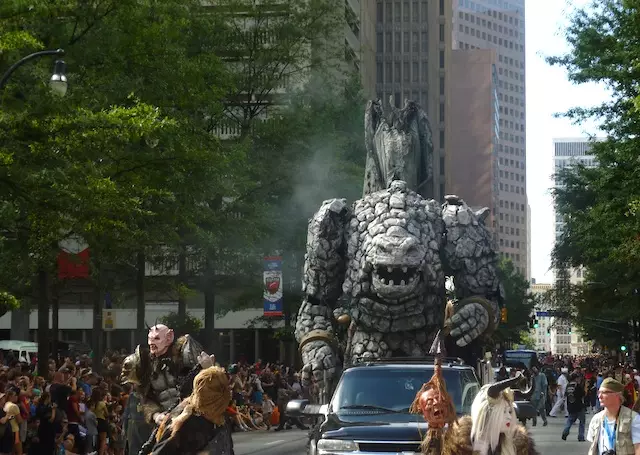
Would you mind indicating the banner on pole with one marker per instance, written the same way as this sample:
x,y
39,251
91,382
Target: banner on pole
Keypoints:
x,y
272,282
108,319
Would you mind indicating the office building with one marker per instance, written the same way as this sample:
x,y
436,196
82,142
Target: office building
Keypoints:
x,y
500,25
568,152
475,132
413,57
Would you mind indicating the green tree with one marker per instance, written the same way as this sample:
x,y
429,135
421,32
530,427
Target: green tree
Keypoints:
x,y
519,303
599,205
182,326
121,171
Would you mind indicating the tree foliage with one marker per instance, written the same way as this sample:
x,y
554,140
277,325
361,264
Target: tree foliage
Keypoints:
x,y
599,204
519,303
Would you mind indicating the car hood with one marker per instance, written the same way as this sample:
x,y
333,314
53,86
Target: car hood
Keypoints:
x,y
374,428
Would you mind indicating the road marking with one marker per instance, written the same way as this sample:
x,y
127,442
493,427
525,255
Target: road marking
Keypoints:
x,y
274,442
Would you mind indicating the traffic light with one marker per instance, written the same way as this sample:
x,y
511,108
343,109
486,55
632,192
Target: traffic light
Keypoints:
x,y
503,315
623,348
535,324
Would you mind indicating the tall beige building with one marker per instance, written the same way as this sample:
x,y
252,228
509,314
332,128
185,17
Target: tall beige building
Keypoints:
x,y
413,57
500,25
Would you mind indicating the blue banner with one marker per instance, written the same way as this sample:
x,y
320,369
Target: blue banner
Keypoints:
x,y
272,282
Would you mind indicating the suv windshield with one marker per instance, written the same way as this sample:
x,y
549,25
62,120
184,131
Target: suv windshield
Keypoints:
x,y
393,389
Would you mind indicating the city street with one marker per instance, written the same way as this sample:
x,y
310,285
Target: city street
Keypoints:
x,y
293,442
549,439
287,442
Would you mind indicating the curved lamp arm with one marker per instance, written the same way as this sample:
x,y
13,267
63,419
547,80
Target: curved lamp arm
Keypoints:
x,y
24,60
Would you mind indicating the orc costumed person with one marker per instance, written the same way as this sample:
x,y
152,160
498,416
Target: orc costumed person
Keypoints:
x,y
197,425
164,374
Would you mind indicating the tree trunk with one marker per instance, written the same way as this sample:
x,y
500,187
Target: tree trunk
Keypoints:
x,y
209,308
55,318
43,324
182,283
141,300
97,336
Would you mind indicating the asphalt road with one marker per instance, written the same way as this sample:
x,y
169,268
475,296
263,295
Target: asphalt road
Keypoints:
x,y
293,442
549,439
286,442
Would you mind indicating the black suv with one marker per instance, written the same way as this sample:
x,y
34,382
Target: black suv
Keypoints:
x,y
369,411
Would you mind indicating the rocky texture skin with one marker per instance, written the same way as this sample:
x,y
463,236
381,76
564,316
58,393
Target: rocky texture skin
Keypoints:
x,y
383,261
399,146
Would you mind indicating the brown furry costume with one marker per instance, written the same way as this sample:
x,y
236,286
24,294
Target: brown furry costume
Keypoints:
x,y
457,440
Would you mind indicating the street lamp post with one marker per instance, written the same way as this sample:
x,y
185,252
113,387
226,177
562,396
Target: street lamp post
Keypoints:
x,y
58,82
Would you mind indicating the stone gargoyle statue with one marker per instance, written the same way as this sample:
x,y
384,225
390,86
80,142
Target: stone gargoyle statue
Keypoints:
x,y
380,264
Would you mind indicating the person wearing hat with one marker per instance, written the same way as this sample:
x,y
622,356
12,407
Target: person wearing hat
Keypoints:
x,y
615,429
561,399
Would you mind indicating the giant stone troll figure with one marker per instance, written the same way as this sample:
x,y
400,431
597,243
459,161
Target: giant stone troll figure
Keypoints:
x,y
380,264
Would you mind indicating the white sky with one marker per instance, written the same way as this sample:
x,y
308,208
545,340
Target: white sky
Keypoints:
x,y
548,92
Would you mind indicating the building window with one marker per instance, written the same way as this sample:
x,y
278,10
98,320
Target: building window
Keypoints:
x,y
442,112
442,139
405,41
379,43
441,33
379,71
441,163
379,9
425,42
442,7
441,59
441,85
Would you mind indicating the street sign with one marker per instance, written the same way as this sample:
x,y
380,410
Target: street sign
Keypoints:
x,y
542,314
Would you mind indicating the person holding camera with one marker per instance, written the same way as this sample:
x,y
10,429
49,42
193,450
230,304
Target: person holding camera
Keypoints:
x,y
616,429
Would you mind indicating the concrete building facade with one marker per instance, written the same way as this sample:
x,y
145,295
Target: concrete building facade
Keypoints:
x,y
568,152
475,132
500,25
413,59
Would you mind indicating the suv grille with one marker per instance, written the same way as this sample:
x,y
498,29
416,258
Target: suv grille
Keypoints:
x,y
389,446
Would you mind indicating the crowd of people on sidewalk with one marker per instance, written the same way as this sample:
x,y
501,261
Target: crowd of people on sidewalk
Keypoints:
x,y
573,387
72,410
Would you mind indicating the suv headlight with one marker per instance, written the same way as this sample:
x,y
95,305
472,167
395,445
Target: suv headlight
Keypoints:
x,y
337,445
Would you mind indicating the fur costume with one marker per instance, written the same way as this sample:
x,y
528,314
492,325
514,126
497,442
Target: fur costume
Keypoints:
x,y
164,380
198,424
457,441
492,428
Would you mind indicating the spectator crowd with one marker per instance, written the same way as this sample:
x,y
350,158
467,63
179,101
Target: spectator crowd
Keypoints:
x,y
72,410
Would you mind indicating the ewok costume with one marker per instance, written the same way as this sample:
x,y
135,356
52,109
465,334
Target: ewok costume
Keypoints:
x,y
198,425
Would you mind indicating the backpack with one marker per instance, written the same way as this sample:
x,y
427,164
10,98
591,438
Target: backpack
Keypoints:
x,y
571,392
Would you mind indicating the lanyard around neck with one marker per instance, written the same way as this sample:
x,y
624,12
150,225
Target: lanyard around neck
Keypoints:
x,y
611,435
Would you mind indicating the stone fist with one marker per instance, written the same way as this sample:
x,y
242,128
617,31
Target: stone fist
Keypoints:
x,y
206,361
321,363
470,320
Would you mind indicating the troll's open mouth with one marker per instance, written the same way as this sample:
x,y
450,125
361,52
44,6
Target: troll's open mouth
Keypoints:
x,y
396,276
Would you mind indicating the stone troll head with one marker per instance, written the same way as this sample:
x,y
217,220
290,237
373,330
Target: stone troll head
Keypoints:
x,y
389,238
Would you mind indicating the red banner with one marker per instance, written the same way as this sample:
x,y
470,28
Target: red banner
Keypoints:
x,y
73,265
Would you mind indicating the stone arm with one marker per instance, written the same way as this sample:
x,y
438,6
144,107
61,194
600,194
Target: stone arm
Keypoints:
x,y
470,257
323,276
